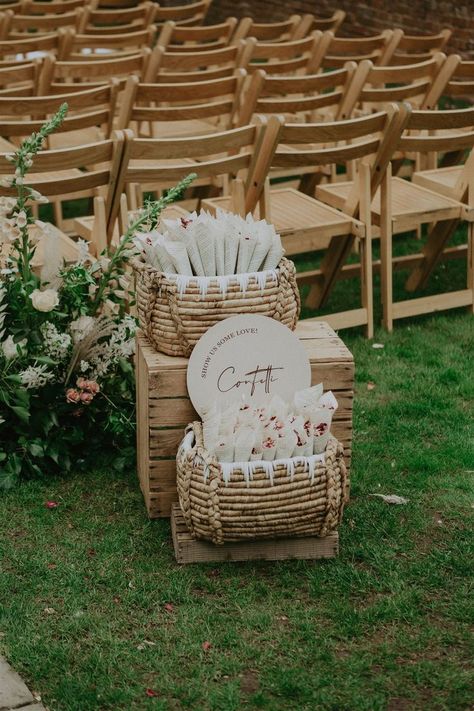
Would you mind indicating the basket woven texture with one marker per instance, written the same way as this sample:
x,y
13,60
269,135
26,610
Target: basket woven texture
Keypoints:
x,y
290,506
174,321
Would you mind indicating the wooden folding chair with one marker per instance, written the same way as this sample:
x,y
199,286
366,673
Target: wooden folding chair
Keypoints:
x,y
104,22
38,7
162,162
31,47
90,115
57,76
401,206
90,119
176,38
97,165
74,45
284,31
18,26
309,23
190,14
173,110
334,52
286,58
375,86
418,48
458,90
173,67
306,224
300,97
20,79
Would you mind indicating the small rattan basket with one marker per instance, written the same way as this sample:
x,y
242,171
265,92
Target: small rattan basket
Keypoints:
x,y
302,496
175,311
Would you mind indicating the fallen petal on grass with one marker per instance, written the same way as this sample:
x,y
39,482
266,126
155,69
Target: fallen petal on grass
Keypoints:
x,y
391,498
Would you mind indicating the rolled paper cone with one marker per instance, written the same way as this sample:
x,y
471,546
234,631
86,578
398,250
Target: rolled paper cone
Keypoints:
x,y
278,407
269,446
269,453
231,248
220,255
301,450
179,256
205,241
286,445
275,253
321,430
308,398
244,443
225,451
210,426
328,401
194,255
165,259
260,253
228,420
246,249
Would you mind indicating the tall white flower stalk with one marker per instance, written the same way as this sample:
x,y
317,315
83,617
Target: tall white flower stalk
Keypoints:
x,y
20,216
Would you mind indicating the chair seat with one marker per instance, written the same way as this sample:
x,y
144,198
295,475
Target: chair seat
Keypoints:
x,y
412,205
441,180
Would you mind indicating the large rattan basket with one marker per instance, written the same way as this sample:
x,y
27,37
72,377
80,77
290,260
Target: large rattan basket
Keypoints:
x,y
302,496
175,311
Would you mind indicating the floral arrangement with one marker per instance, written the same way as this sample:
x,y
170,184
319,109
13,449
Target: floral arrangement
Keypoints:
x,y
66,337
279,431
202,245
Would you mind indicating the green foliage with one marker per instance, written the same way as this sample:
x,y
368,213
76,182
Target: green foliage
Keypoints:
x,y
67,388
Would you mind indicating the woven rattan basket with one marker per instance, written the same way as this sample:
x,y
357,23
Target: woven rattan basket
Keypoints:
x,y
176,311
303,496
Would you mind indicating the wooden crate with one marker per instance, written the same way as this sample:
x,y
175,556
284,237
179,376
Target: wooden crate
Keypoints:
x,y
164,409
188,550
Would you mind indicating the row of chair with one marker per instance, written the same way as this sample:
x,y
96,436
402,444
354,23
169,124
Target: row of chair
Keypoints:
x,y
171,108
318,50
89,19
371,205
42,77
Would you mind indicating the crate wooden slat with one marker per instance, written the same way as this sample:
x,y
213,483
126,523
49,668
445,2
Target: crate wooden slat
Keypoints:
x,y
164,409
188,550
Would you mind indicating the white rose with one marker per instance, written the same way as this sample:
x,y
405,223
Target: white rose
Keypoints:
x,y
10,348
46,300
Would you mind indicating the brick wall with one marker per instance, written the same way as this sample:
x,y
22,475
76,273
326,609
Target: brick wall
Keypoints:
x,y
365,18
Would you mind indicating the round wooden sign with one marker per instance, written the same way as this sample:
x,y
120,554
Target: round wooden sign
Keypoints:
x,y
246,359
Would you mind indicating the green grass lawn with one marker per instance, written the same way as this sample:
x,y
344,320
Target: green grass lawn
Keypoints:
x,y
86,588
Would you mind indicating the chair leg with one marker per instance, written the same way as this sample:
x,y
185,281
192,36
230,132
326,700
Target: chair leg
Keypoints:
x,y
335,257
365,249
437,239
386,265
470,263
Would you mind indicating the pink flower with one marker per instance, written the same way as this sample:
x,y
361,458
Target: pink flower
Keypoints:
x,y
268,443
51,504
86,398
90,386
73,395
185,222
